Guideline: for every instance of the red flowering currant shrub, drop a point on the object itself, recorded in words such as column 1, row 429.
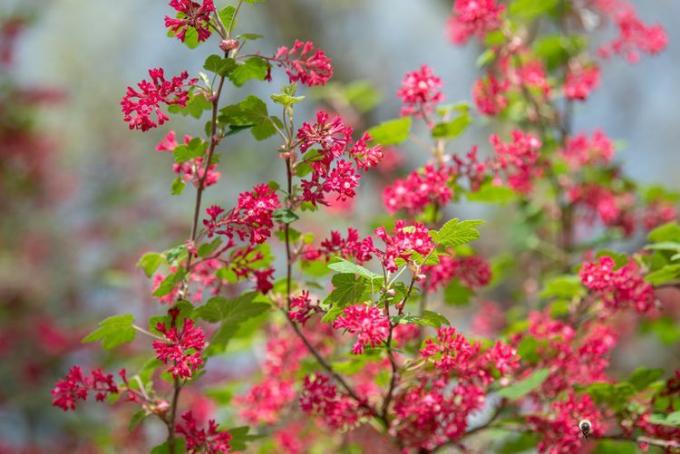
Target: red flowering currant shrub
column 357, row 340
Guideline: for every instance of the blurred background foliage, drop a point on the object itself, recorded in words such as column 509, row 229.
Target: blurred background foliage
column 81, row 197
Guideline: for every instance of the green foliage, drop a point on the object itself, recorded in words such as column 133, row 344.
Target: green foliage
column 666, row 232
column 163, row 448
column 491, row 193
column 251, row 113
column 566, row 287
column 524, row 387
column 150, row 262
column 231, row 314
column 287, row 96
column 528, row 10
column 113, row 331
column 642, row 377
column 453, row 128
column 671, row 419
column 221, row 66
column 240, row 436
column 391, row 132
column 285, row 216
column 345, row 266
column 456, row 232
column 615, row 395
column 253, row 68
column 456, row 294
column 347, row 289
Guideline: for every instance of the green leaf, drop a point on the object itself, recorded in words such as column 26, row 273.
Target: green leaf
column 227, row 16
column 456, row 232
column 451, row 129
column 524, row 387
column 254, row 68
column 180, row 447
column 531, row 9
column 249, row 113
column 456, row 294
column 666, row 329
column 150, row 262
column 567, row 287
column 391, row 132
column 219, row 65
column 240, row 435
column 186, row 152
column 136, row 419
column 615, row 447
column 348, row 289
column 556, row 50
column 671, row 419
column 287, row 96
column 285, row 216
column 642, row 377
column 231, row 313
column 362, row 95
column 435, row 319
column 668, row 273
column 177, row 186
column 666, row 232
column 113, row 331
column 345, row 266
column 615, row 395
column 168, row 284
column 491, row 193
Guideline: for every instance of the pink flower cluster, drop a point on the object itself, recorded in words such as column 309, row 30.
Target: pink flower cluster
column 473, row 271
column 489, row 95
column 369, row 323
column 335, row 140
column 432, row 413
column 76, row 386
column 634, row 35
column 353, row 247
column 321, row 398
column 404, row 240
column 618, row 287
column 190, row 15
column 303, row 63
column 420, row 91
column 657, row 213
column 181, row 347
column 142, row 106
column 420, row 188
column 199, row 440
column 583, row 151
column 613, row 209
column 473, row 18
column 518, row 159
column 451, row 353
column 581, row 81
column 302, row 308
column 193, row 170
column 572, row 360
column 559, row 426
column 251, row 219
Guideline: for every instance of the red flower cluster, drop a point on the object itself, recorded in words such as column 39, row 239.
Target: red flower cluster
column 304, row 63
column 518, row 159
column 335, row 139
column 141, row 107
column 612, row 208
column 321, row 398
column 191, row 15
column 420, row 92
column 582, row 151
column 572, row 360
column 473, row 18
column 404, row 240
column 559, row 427
column 473, row 271
column 418, row 189
column 192, row 170
column 489, row 95
column 634, row 35
column 301, row 307
column 200, row 440
column 181, row 348
column 657, row 213
column 618, row 287
column 351, row 248
column 581, row 81
column 369, row 323
column 251, row 219
column 77, row 386
column 430, row 414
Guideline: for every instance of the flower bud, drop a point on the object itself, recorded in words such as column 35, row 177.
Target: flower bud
column 229, row 44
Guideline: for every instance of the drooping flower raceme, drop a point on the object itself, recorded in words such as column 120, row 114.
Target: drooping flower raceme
column 142, row 106
column 304, row 63
column 420, row 91
column 190, row 16
column 367, row 322
column 181, row 347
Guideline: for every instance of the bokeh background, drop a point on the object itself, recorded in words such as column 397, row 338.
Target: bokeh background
column 97, row 194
